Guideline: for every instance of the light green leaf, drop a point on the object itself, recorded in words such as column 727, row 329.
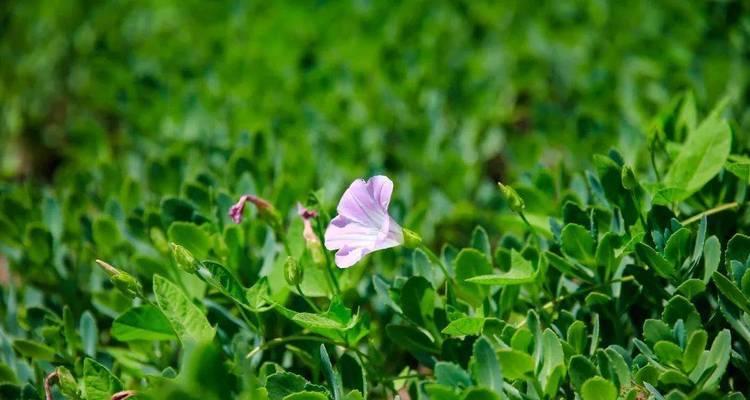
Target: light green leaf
column 598, row 388
column 190, row 236
column 464, row 326
column 34, row 349
column 485, row 367
column 187, row 320
column 521, row 271
column 578, row 244
column 98, row 382
column 515, row 364
column 142, row 323
column 702, row 156
column 654, row 260
column 468, row 264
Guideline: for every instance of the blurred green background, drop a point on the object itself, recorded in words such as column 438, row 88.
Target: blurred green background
column 444, row 96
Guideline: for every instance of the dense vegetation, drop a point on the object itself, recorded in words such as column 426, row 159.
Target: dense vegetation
column 613, row 260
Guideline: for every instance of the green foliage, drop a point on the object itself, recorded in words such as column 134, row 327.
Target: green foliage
column 612, row 261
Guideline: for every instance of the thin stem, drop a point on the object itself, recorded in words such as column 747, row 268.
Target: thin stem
column 49, row 380
column 309, row 302
column 278, row 341
column 528, row 224
column 708, row 212
column 332, row 280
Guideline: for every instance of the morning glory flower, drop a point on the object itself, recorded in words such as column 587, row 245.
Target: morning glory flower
column 363, row 224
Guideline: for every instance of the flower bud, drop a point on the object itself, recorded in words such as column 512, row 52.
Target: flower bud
column 629, row 180
column 515, row 202
column 293, row 272
column 266, row 212
column 123, row 281
column 412, row 240
column 312, row 242
column 67, row 383
column 183, row 258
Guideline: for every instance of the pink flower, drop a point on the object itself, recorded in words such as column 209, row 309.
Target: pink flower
column 363, row 224
column 307, row 215
column 236, row 211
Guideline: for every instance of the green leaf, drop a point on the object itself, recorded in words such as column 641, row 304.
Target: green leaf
column 667, row 351
column 694, row 349
column 619, row 366
column 418, row 301
column 257, row 296
column 702, row 156
column 678, row 307
column 98, row 382
column 190, row 236
column 39, row 240
column 105, row 232
column 515, row 364
column 654, row 260
column 576, row 336
column 481, row 241
column 731, row 291
column 220, row 278
column 282, row 384
column 692, row 287
column 717, row 356
column 89, row 333
column 450, row 374
column 553, row 362
column 464, row 326
column 598, row 388
column 321, row 321
column 711, row 257
column 410, row 338
column 677, row 248
column 738, row 249
column 521, row 271
column 187, row 320
column 485, row 367
column 34, row 350
column 740, row 167
column 580, row 370
column 578, row 244
column 480, row 394
column 6, row 374
column 468, row 264
column 333, row 378
column 142, row 323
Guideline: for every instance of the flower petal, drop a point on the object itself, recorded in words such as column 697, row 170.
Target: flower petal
column 358, row 204
column 348, row 256
column 342, row 231
column 381, row 188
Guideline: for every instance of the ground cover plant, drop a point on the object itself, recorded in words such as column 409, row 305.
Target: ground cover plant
column 343, row 201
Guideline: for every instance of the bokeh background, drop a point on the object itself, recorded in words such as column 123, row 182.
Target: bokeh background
column 283, row 97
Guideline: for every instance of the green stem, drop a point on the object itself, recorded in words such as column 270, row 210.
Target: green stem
column 333, row 282
column 309, row 302
column 298, row 338
column 717, row 209
column 528, row 224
